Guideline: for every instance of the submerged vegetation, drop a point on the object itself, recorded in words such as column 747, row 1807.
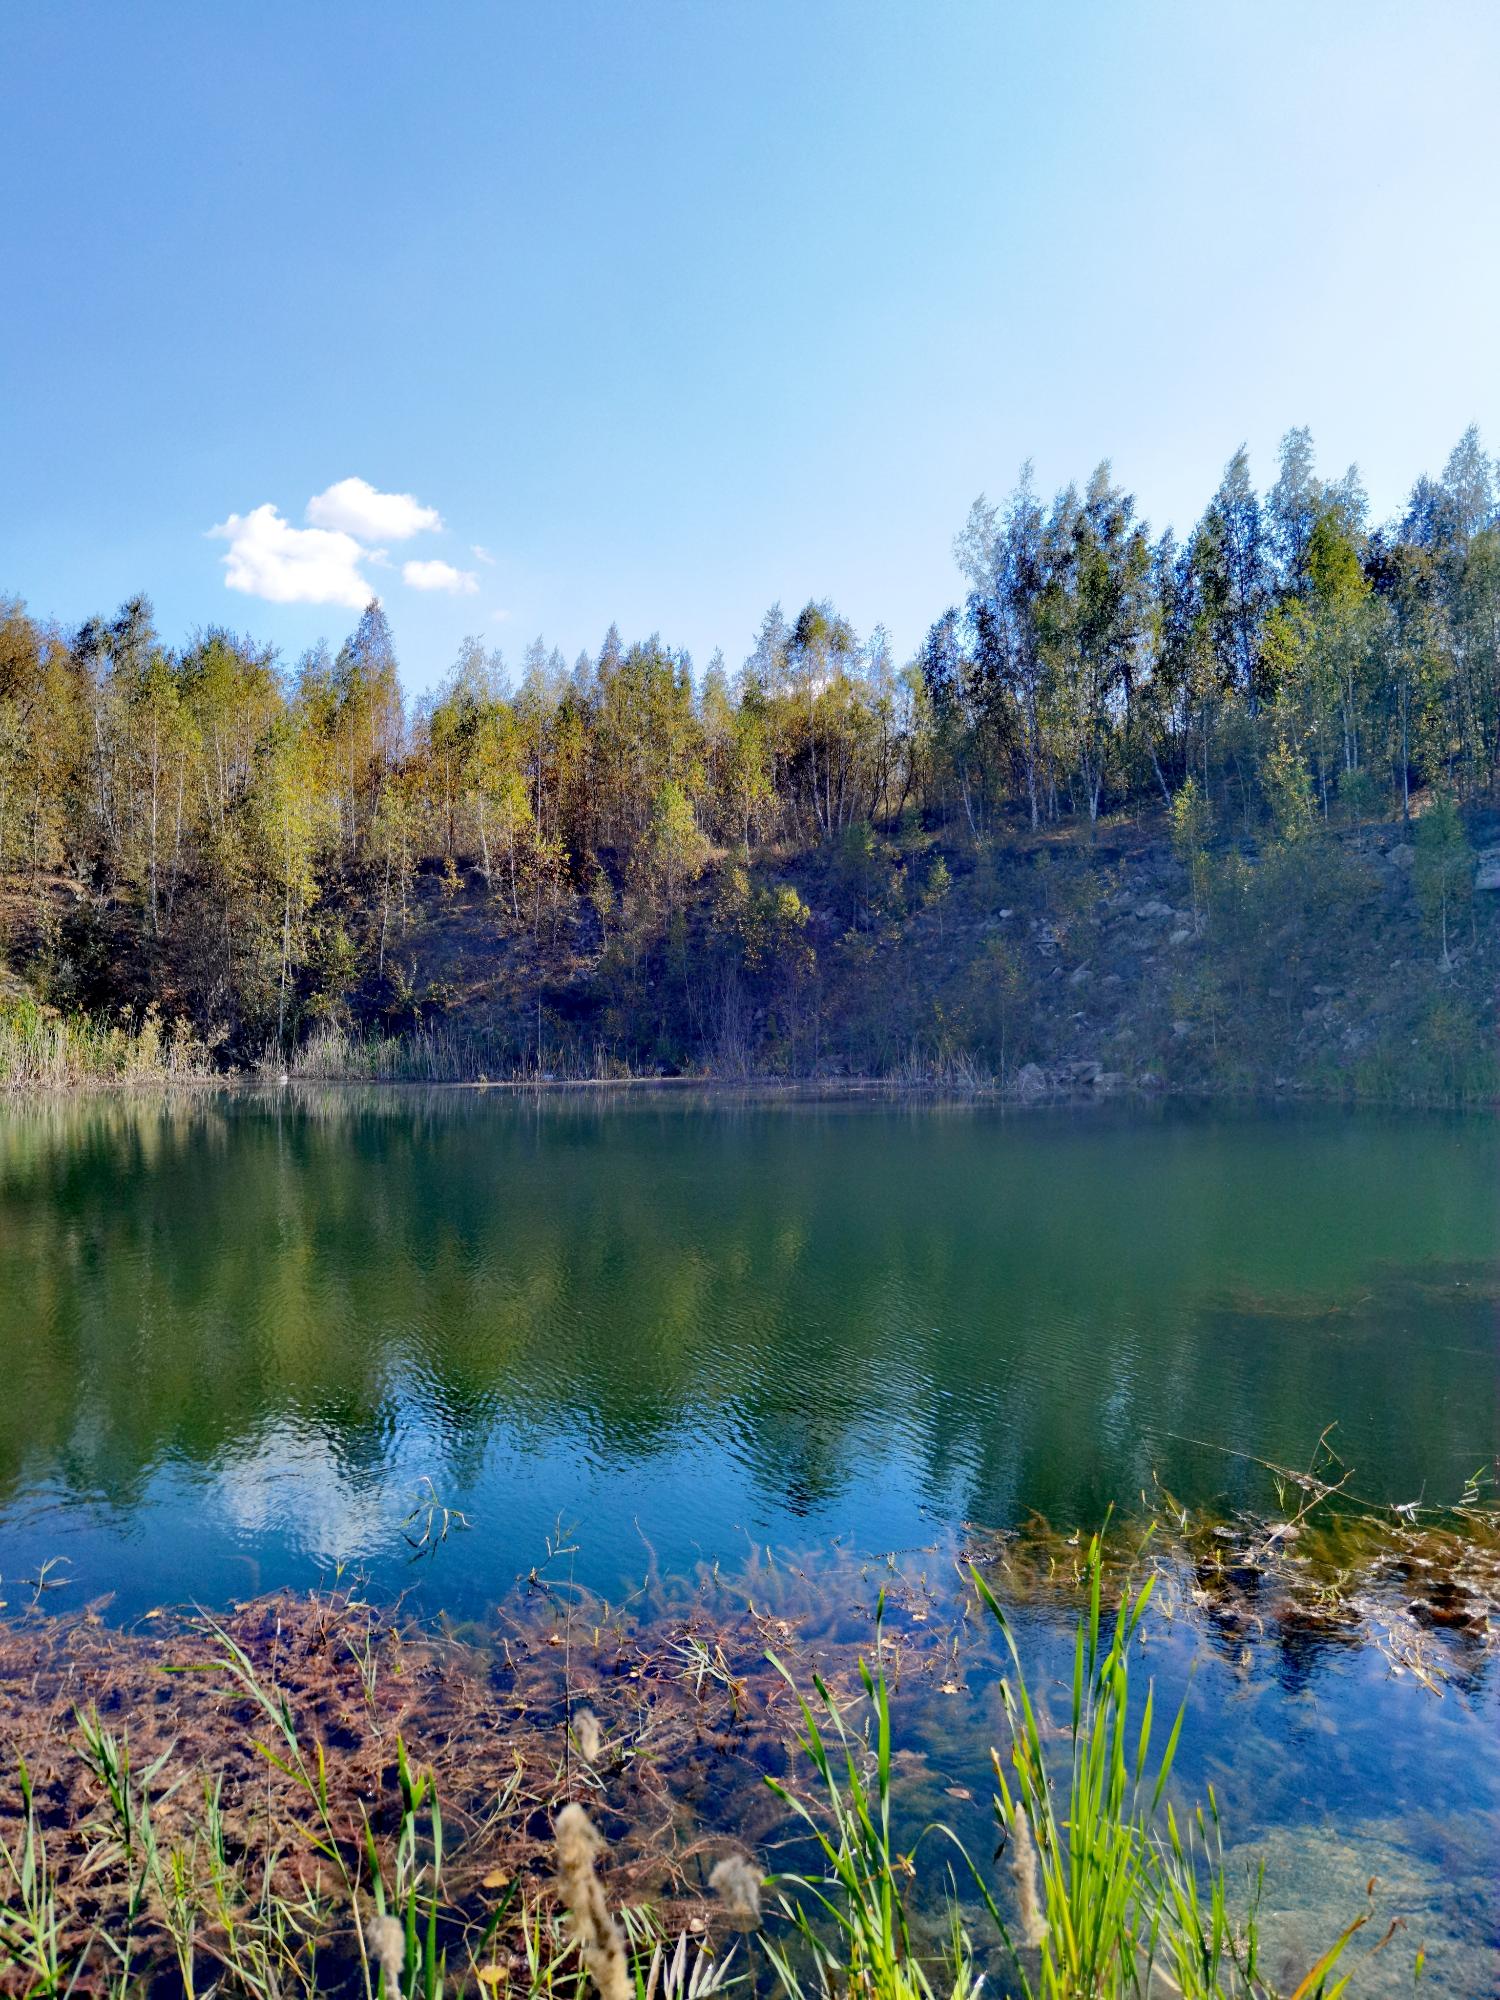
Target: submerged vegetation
column 1215, row 813
column 311, row 1796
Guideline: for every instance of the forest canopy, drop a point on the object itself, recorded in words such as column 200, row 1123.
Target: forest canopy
column 249, row 834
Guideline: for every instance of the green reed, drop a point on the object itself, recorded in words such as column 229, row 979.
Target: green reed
column 30, row 1929
column 40, row 1049
column 1113, row 1896
column 850, row 1925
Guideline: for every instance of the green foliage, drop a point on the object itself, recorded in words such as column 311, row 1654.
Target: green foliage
column 30, row 1931
column 852, row 1923
column 1444, row 869
column 1113, row 1888
column 1191, row 821
column 262, row 852
column 1359, row 795
column 676, row 848
column 858, row 869
column 39, row 1047
column 1114, row 1891
column 1289, row 793
column 998, row 992
column 772, row 924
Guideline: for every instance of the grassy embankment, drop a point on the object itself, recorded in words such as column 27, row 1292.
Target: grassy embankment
column 1353, row 963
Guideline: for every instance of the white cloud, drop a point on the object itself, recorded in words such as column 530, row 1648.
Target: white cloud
column 325, row 562
column 499, row 617
column 358, row 508
column 270, row 558
column 481, row 554
column 440, row 576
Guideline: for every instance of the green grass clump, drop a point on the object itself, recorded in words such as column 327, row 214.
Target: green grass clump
column 1112, row 1895
column 1126, row 1895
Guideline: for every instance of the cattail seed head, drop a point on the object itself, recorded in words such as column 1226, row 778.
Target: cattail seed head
column 388, row 1948
column 589, row 1735
column 578, row 1843
column 735, row 1880
column 1024, row 1874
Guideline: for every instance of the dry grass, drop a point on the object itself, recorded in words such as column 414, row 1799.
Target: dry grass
column 40, row 1049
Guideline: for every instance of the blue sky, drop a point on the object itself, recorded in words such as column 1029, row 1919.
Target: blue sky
column 673, row 310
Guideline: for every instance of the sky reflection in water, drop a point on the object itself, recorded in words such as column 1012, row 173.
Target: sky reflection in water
column 239, row 1330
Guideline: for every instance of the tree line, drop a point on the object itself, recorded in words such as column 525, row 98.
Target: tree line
column 251, row 835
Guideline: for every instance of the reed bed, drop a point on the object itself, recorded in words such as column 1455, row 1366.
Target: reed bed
column 437, row 1054
column 43, row 1050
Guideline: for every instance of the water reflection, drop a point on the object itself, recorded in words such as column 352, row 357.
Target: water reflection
column 238, row 1329
column 238, row 1332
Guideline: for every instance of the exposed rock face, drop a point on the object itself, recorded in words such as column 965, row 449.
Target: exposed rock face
column 1065, row 1079
column 1079, row 1074
column 1487, row 869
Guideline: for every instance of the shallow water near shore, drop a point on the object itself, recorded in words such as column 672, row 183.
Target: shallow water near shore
column 259, row 1341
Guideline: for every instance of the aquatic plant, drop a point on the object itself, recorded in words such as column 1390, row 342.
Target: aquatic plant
column 427, row 1527
column 1111, row 1898
column 30, row 1928
column 305, row 1780
column 851, row 1923
column 1105, row 1900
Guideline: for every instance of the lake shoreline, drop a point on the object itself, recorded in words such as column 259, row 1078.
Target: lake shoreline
column 767, row 1089
column 601, row 1392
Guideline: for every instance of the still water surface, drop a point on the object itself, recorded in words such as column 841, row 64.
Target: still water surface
column 239, row 1332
